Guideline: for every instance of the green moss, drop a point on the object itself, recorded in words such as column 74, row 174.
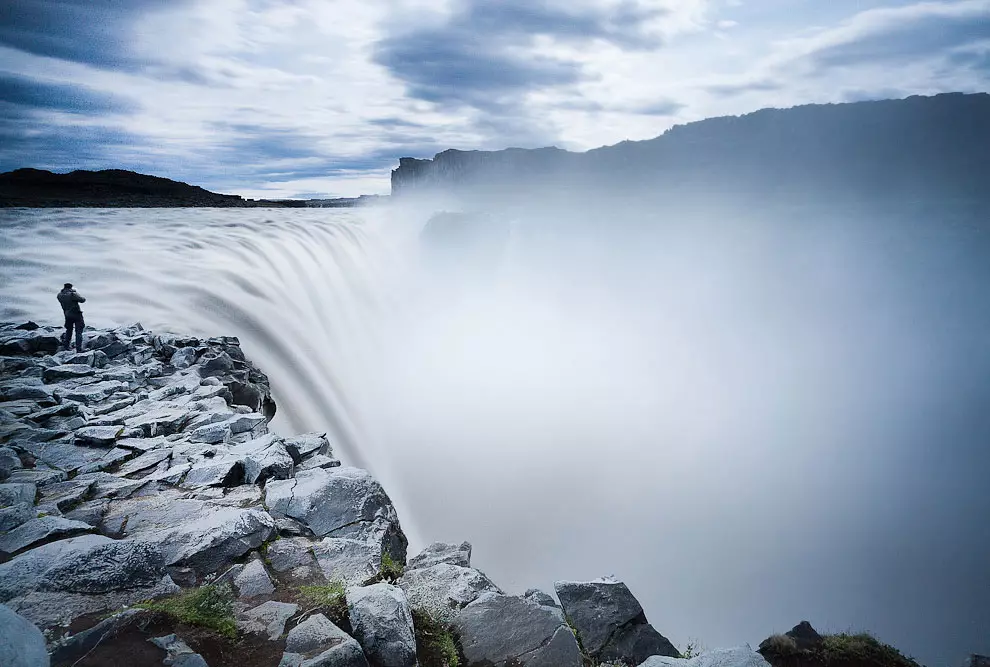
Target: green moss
column 435, row 645
column 210, row 607
column 861, row 648
column 331, row 598
column 389, row 570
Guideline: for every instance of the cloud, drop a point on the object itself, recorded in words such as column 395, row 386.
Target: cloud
column 22, row 91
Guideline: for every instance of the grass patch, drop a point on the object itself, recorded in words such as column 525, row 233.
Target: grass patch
column 435, row 645
column 861, row 648
column 693, row 649
column 779, row 645
column 210, row 607
column 331, row 598
column 389, row 571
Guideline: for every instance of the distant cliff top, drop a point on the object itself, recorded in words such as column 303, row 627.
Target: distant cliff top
column 918, row 147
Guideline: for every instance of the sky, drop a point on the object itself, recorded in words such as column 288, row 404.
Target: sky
column 319, row 98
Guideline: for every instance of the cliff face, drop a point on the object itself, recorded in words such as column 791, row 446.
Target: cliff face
column 919, row 148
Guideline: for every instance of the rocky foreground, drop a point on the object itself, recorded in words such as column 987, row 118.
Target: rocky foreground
column 149, row 517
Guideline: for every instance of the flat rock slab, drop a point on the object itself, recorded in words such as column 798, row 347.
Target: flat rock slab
column 290, row 553
column 444, row 589
column 353, row 562
column 39, row 530
column 149, row 459
column 742, row 656
column 193, row 533
column 383, row 624
column 497, row 629
column 67, row 372
column 98, row 436
column 317, row 641
column 21, row 642
column 267, row 619
column 442, row 552
column 13, row 494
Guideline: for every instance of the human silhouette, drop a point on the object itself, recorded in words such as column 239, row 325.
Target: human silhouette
column 70, row 300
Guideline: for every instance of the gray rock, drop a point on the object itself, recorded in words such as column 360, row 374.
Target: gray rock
column 253, row 581
column 145, row 461
column 539, row 597
column 339, row 502
column 290, row 553
column 40, row 530
column 92, row 393
column 301, row 447
column 36, row 476
column 319, row 461
column 63, row 410
column 444, row 589
column 354, row 562
column 246, row 423
column 17, row 493
column 143, row 444
column 89, row 564
column 321, row 643
column 93, row 358
column 225, row 471
column 67, row 372
column 496, row 629
column 98, row 436
column 264, row 458
column 26, row 392
column 194, row 533
column 21, row 642
column 89, row 512
column 213, row 433
column 16, row 515
column 383, row 624
column 610, row 621
column 64, row 456
column 268, row 619
column 742, row 656
column 162, row 420
column 184, row 357
column 177, row 652
column 441, row 552
column 75, row 647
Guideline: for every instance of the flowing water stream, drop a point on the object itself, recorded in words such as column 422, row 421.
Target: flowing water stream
column 749, row 424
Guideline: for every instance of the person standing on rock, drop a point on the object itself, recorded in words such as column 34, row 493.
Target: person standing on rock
column 70, row 300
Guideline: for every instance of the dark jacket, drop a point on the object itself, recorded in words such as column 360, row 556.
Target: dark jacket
column 70, row 301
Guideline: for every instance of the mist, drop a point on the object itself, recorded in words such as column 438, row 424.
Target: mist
column 751, row 419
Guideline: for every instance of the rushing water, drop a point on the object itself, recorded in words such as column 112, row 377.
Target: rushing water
column 749, row 424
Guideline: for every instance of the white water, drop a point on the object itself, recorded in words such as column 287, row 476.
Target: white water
column 749, row 424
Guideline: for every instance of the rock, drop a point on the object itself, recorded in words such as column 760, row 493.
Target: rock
column 98, row 436
column 178, row 653
column 63, row 410
column 301, row 447
column 67, row 372
column 37, row 476
column 93, row 358
column 78, row 645
column 143, row 444
column 64, row 456
column 268, row 619
column 441, row 552
column 502, row 630
column 253, row 581
column 246, row 423
column 319, row 642
column 226, row 471
column 213, row 433
column 27, row 392
column 444, row 589
column 289, row 554
column 264, row 458
column 192, row 533
column 13, row 494
column 27, row 326
column 92, row 393
column 21, row 642
column 353, row 562
column 541, row 598
column 742, row 656
column 319, row 461
column 383, row 624
column 40, row 530
column 184, row 357
column 147, row 460
column 610, row 621
column 339, row 502
column 16, row 515
column 163, row 420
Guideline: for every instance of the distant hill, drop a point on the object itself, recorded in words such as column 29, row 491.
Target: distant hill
column 919, row 150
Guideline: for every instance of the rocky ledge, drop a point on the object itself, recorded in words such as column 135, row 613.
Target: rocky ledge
column 149, row 517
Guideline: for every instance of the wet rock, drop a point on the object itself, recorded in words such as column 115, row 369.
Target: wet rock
column 501, row 630
column 98, row 436
column 610, row 621
column 317, row 642
column 253, row 581
column 444, row 589
column 193, row 533
column 67, row 372
column 382, row 624
column 268, row 619
column 339, row 502
column 441, row 552
column 40, row 530
column 21, row 642
column 177, row 652
column 742, row 656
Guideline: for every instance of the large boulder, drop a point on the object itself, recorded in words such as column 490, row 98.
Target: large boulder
column 342, row 502
column 21, row 642
column 194, row 533
column 317, row 642
column 42, row 529
column 610, row 622
column 383, row 625
column 267, row 619
column 503, row 630
column 441, row 581
column 742, row 656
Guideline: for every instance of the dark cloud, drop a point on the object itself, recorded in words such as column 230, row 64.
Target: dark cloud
column 478, row 57
column 26, row 143
column 976, row 60
column 914, row 37
column 658, row 108
column 19, row 91
column 733, row 89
